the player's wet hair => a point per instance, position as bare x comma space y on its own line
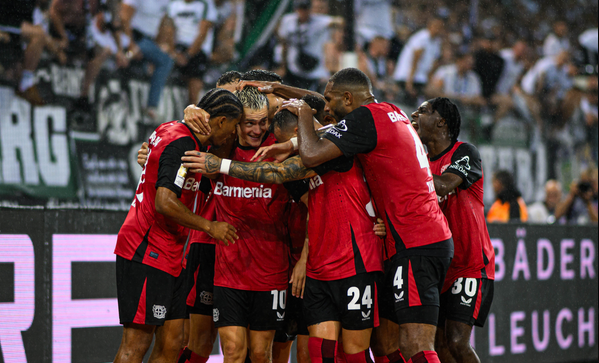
450, 112
253, 99
228, 78
350, 78
316, 103
284, 120
261, 75
220, 102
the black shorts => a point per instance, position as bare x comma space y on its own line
351, 301
196, 66
146, 295
416, 287
468, 301
385, 289
200, 279
295, 324
258, 310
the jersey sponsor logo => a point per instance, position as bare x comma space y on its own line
239, 192
315, 182
341, 126
159, 311
181, 174
215, 315
154, 255
334, 132
398, 116
154, 139
206, 297
280, 316
466, 302
399, 297
191, 184
366, 316
462, 165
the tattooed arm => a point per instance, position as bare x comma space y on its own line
271, 173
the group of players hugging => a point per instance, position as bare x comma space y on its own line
273, 213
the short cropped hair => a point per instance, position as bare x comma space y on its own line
261, 75
350, 78
229, 78
253, 99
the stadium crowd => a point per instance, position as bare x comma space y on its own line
529, 66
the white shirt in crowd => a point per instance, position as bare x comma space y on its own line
432, 52
187, 17
529, 82
106, 39
148, 15
313, 34
468, 85
373, 18
589, 39
512, 70
554, 45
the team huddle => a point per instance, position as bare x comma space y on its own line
273, 213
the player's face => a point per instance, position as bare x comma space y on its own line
226, 130
253, 127
335, 103
425, 121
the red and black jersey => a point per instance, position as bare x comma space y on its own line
259, 260
298, 218
465, 211
397, 171
146, 235
342, 242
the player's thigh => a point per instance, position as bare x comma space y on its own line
261, 345
234, 340
355, 341
137, 335
328, 330
170, 335
417, 284
201, 329
385, 338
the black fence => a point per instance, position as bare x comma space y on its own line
58, 290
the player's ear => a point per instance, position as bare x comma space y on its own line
442, 122
295, 130
220, 121
348, 98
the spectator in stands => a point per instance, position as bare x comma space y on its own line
488, 64
108, 41
547, 211
589, 42
141, 21
509, 205
373, 60
16, 27
41, 17
514, 59
69, 22
418, 59
458, 82
303, 36
320, 7
194, 21
558, 41
373, 18
334, 49
590, 110
580, 205
223, 40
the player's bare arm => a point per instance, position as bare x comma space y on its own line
446, 183
279, 89
171, 207
313, 150
263, 172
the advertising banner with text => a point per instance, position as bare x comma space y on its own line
58, 290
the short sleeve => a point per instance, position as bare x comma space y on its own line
171, 173
466, 163
286, 22
297, 189
356, 134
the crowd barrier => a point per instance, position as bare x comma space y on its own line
58, 290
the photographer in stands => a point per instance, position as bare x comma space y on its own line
580, 205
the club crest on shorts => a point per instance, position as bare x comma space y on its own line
159, 311
206, 298
215, 315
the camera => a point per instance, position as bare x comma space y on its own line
584, 187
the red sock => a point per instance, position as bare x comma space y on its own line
187, 356
340, 358
322, 350
425, 357
362, 357
395, 357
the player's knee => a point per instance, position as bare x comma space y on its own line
457, 342
233, 349
260, 356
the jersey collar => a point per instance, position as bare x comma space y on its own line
442, 154
201, 147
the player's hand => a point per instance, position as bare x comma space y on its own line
197, 119
279, 152
298, 279
380, 229
264, 87
199, 162
296, 106
142, 154
223, 232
